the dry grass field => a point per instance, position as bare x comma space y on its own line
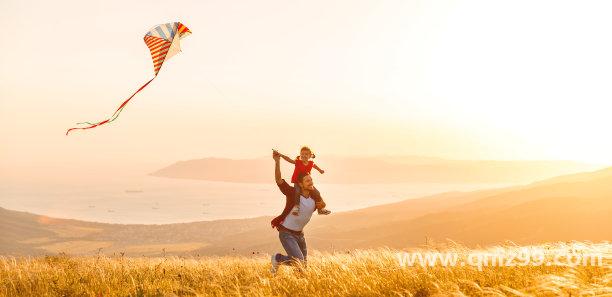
349, 273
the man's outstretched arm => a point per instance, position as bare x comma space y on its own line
277, 170
282, 184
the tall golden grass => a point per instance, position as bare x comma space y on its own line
352, 273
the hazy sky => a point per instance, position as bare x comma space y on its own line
454, 79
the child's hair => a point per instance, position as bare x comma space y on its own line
305, 148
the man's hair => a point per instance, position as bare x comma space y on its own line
301, 176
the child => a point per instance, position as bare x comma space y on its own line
303, 164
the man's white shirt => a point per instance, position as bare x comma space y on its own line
297, 223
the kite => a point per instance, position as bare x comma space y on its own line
164, 42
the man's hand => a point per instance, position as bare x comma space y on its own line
276, 155
322, 171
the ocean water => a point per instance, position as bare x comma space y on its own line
155, 200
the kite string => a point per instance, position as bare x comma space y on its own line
115, 114
118, 111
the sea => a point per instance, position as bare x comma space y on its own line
143, 199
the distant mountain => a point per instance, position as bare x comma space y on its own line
377, 170
573, 207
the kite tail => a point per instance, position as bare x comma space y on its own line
114, 116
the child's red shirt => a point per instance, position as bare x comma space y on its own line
299, 168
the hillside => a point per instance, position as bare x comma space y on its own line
575, 207
378, 170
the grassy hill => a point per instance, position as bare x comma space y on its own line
357, 273
574, 207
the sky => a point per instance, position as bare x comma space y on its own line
454, 79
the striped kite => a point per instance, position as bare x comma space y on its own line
163, 45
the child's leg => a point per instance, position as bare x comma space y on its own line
316, 195
296, 198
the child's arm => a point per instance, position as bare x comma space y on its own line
318, 169
284, 157
288, 159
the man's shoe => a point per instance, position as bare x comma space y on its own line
274, 264
323, 211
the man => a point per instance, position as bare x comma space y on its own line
290, 227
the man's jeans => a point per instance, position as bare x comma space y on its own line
295, 246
